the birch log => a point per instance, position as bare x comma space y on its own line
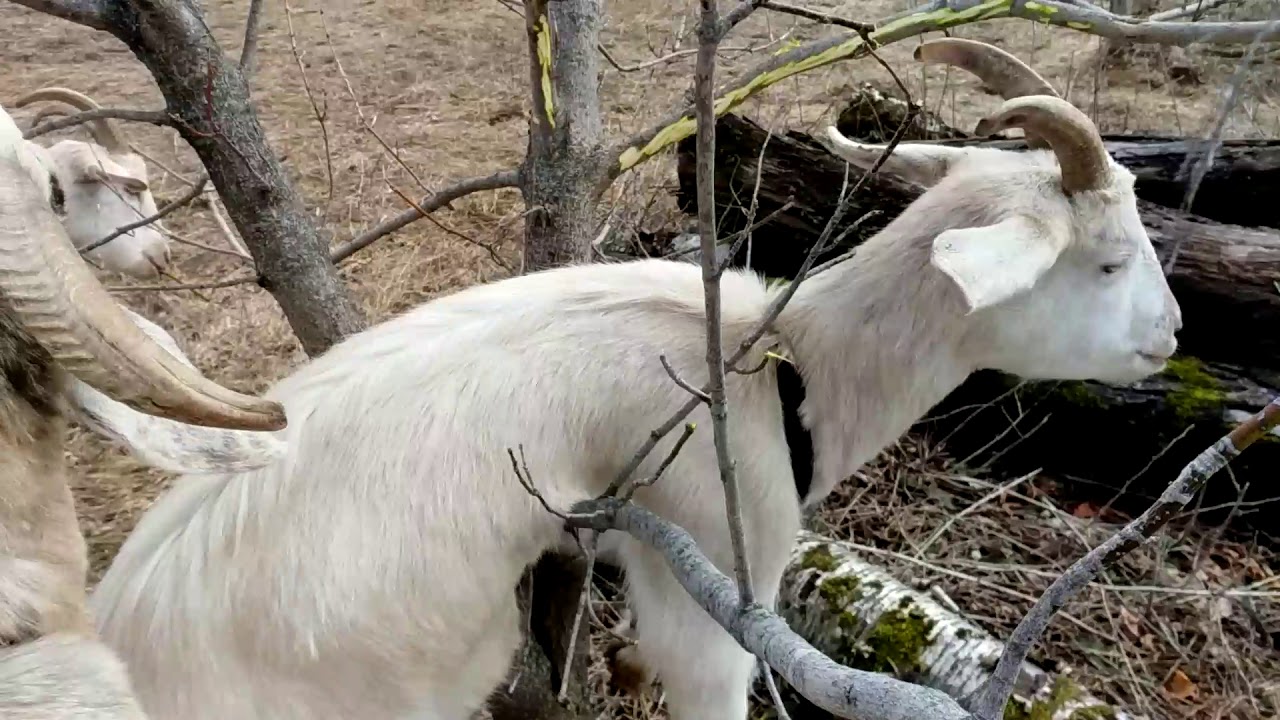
863, 617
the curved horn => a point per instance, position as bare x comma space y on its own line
1005, 73
64, 307
104, 133
1072, 135
1000, 70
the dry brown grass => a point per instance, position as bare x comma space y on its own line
445, 82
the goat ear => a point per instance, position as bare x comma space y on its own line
921, 163
96, 173
993, 263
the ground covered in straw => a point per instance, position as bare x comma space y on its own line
444, 84
1184, 627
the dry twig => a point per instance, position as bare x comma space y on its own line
152, 117
182, 200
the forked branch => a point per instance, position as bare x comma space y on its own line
991, 699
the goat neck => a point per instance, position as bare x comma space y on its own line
879, 339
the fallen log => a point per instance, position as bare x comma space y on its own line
1239, 188
1226, 281
863, 617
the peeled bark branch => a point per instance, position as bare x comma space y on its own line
561, 174
936, 16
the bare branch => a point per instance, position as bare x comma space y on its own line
306, 86
740, 12
1194, 8
493, 252
936, 16
824, 18
250, 45
835, 688
684, 384
990, 700
182, 200
745, 234
778, 706
521, 469
630, 489
152, 117
655, 436
710, 31
91, 13
672, 56
210, 285
431, 203
232, 239
584, 600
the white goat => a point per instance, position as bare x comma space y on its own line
370, 574
105, 187
60, 331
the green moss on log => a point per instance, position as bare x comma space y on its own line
893, 645
840, 591
1198, 393
819, 558
1063, 691
1078, 393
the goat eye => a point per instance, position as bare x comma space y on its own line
57, 198
1111, 268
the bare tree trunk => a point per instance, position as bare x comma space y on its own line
207, 95
560, 180
562, 173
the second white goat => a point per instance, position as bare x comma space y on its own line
370, 573
105, 187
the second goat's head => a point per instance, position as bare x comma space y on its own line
1046, 246
105, 187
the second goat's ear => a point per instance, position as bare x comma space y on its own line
921, 163
992, 263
